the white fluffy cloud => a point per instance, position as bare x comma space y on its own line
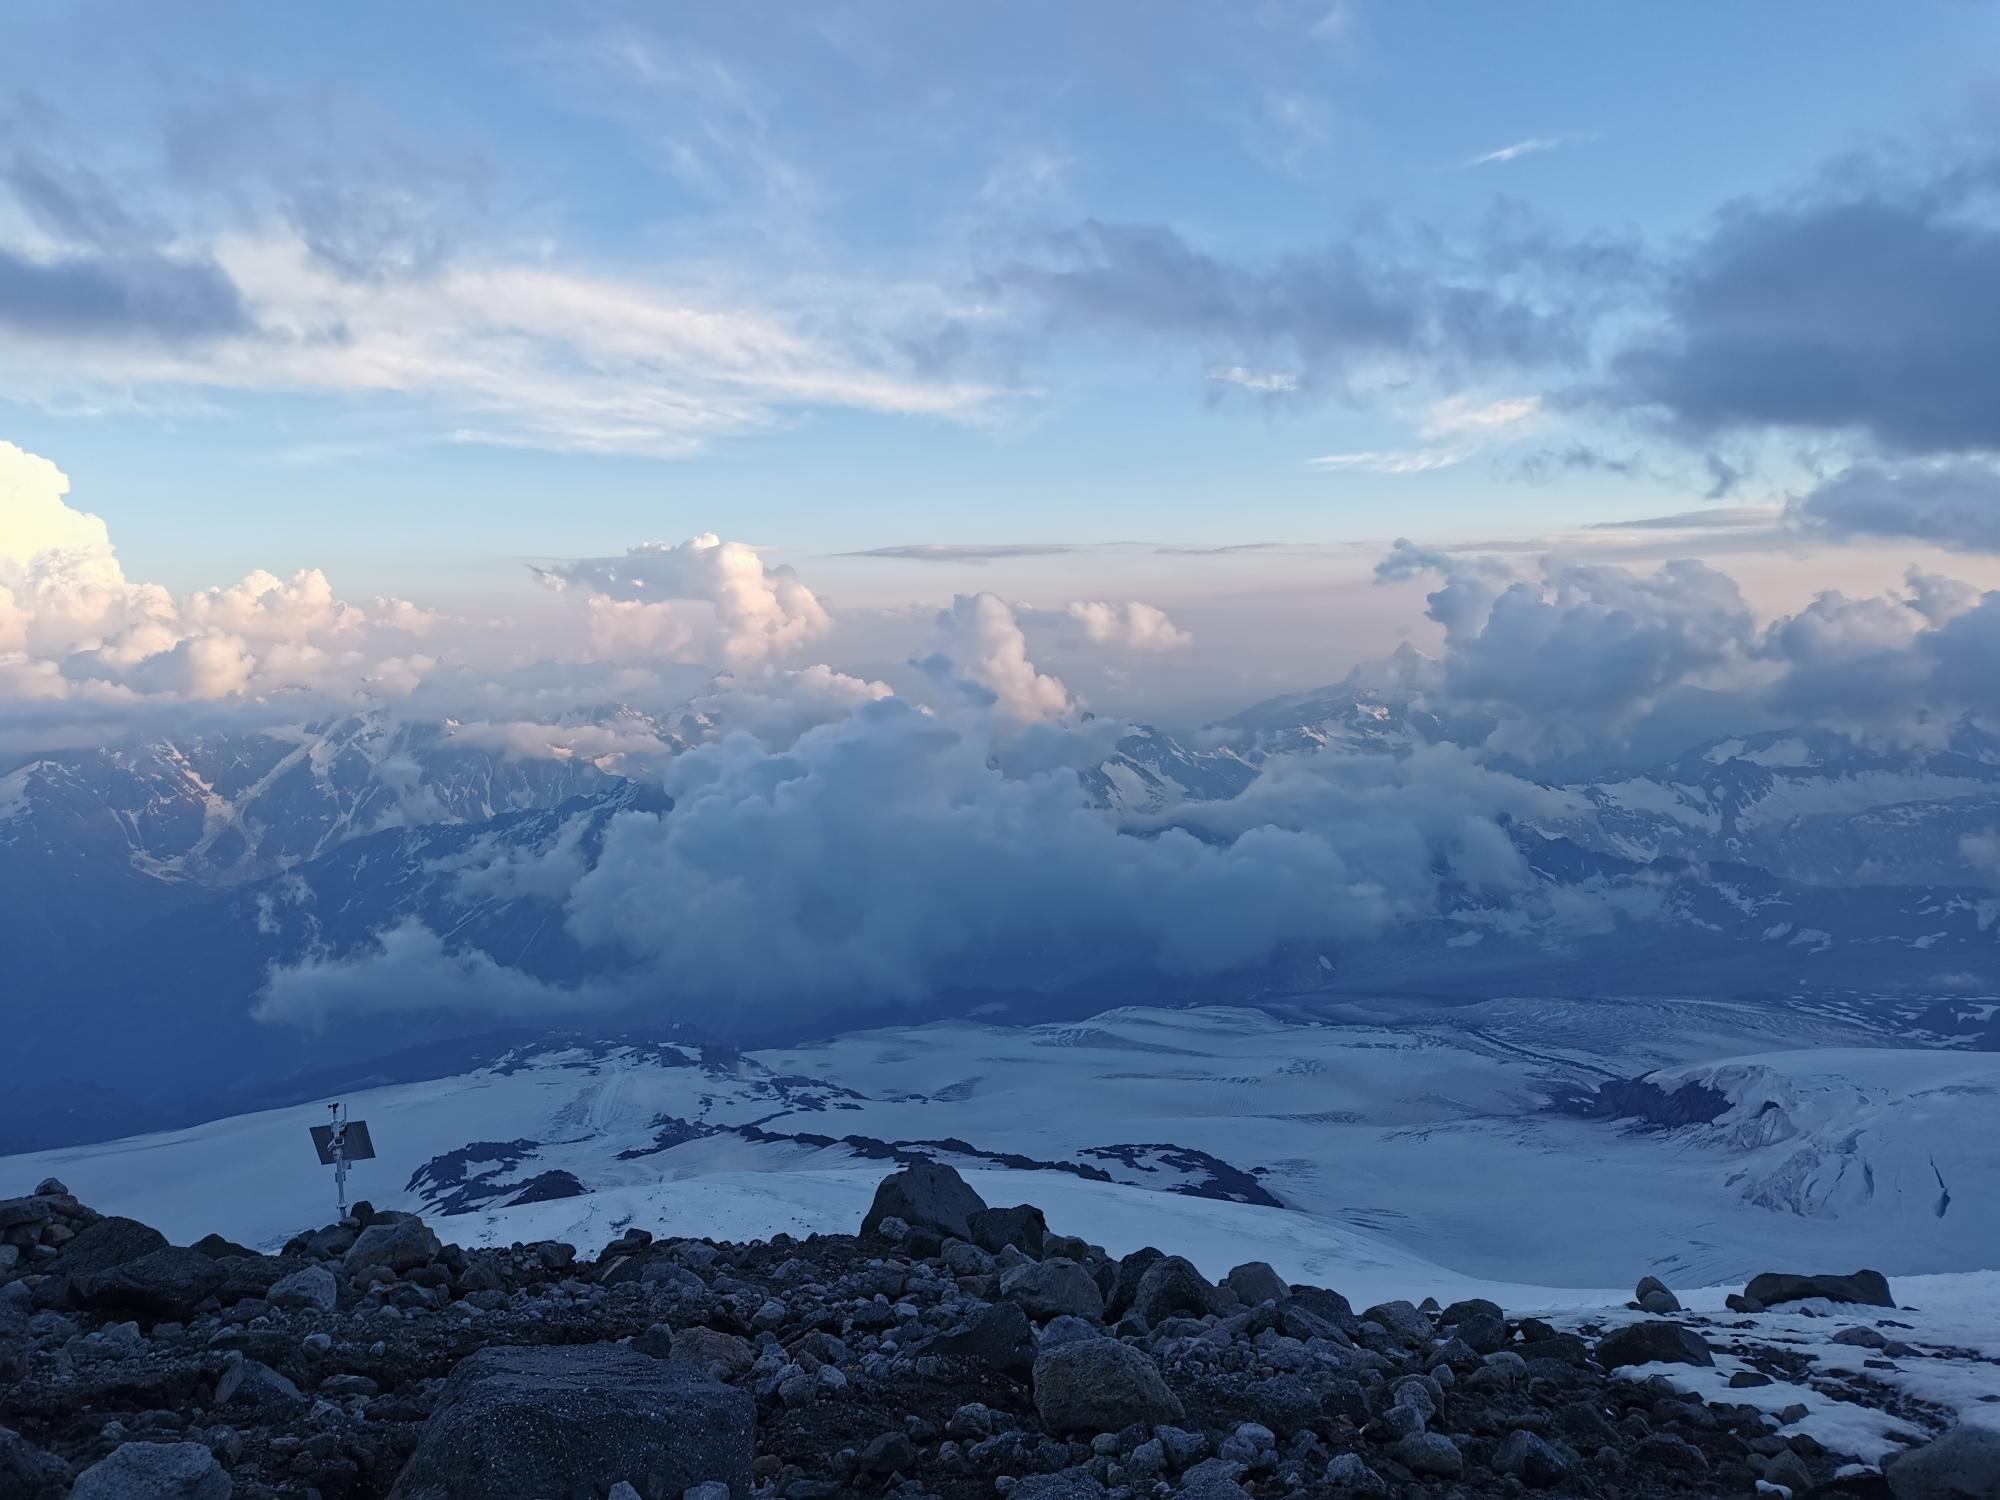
984, 645
73, 625
699, 599
1136, 626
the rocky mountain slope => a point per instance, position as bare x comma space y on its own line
949, 1350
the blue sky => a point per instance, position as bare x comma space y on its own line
417, 294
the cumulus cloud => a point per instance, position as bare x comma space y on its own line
701, 598
984, 645
1133, 625
409, 971
1862, 304
1950, 502
887, 855
73, 625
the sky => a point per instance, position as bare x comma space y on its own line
1149, 326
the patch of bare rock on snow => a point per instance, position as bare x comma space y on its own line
950, 1350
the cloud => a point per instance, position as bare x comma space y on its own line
976, 553
1950, 502
409, 971
1331, 319
1409, 461
1460, 415
983, 645
150, 299
1254, 380
1572, 655
73, 626
1714, 518
1861, 305
1136, 626
1533, 146
690, 601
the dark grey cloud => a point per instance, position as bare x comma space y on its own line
118, 297
1316, 318
1952, 503
976, 553
1869, 304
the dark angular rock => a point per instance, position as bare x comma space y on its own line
925, 1196
401, 1246
215, 1245
1964, 1464
1254, 1282
1645, 1343
1125, 1284
522, 1423
1101, 1385
1023, 1227
1051, 1288
999, 1338
155, 1471
1773, 1287
111, 1241
171, 1283
1172, 1285
1530, 1460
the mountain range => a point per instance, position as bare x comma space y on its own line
151, 888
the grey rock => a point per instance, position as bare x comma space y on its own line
24, 1468
169, 1283
1067, 1486
1401, 1319
999, 1338
1052, 1288
1660, 1302
1350, 1475
710, 1350
963, 1259
1213, 1479
401, 1246
1964, 1464
1024, 1227
312, 1289
1100, 1385
1430, 1453
111, 1241
1773, 1287
1527, 1458
248, 1382
1172, 1285
51, 1187
155, 1471
516, 1423
925, 1196
1254, 1282
1645, 1343
1125, 1281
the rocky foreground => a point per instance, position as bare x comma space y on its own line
949, 1349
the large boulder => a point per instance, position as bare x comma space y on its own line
1871, 1288
401, 1246
1254, 1282
1023, 1227
1964, 1464
1172, 1285
309, 1289
925, 1196
523, 1423
1101, 1385
1049, 1288
1651, 1343
1125, 1283
111, 1241
171, 1283
999, 1337
155, 1471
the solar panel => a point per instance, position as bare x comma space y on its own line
359, 1147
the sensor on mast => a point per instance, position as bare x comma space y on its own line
338, 1144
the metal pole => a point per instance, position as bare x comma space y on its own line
339, 1159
